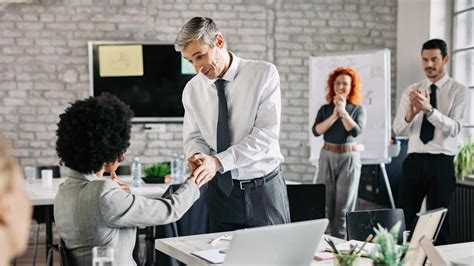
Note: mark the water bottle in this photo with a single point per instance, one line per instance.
(174, 167)
(182, 169)
(136, 170)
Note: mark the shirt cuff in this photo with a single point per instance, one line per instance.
(404, 122)
(435, 116)
(227, 161)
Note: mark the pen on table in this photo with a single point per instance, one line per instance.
(332, 245)
(215, 240)
(368, 239)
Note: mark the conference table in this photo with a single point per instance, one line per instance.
(182, 247)
(42, 198)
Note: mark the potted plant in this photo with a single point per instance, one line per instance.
(347, 257)
(386, 252)
(157, 173)
(464, 160)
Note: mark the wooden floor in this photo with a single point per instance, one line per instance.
(28, 257)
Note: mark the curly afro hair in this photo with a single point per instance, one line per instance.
(92, 132)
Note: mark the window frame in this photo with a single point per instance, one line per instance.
(459, 49)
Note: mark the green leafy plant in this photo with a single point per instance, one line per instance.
(386, 251)
(157, 170)
(464, 160)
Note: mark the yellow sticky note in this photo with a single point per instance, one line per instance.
(120, 60)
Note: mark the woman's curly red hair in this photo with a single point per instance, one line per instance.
(355, 96)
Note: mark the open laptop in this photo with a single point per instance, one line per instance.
(286, 244)
(427, 226)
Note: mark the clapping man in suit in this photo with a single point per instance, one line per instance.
(431, 113)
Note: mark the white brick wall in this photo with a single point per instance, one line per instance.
(44, 64)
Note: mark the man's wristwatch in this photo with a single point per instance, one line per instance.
(429, 112)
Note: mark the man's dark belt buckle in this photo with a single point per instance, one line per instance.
(245, 182)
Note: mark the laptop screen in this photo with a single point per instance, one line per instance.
(286, 244)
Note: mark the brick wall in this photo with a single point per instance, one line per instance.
(44, 61)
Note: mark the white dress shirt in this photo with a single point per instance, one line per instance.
(254, 105)
(452, 102)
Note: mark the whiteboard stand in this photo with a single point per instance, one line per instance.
(387, 185)
(316, 174)
(385, 176)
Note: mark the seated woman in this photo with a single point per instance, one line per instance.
(90, 210)
(15, 208)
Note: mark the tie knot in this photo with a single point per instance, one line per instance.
(433, 87)
(220, 83)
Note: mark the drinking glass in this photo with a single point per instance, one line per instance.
(47, 177)
(30, 173)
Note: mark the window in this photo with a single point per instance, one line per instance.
(463, 51)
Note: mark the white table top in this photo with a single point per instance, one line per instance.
(181, 248)
(44, 195)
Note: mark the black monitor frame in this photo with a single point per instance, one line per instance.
(175, 111)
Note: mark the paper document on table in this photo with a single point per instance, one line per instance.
(211, 255)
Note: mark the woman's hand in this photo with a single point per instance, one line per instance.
(124, 186)
(340, 103)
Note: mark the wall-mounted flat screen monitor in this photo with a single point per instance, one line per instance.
(149, 77)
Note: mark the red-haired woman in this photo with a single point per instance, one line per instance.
(340, 121)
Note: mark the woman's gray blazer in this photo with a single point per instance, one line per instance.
(91, 211)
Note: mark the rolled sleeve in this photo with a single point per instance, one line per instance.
(360, 119)
(193, 140)
(265, 132)
(451, 124)
(400, 125)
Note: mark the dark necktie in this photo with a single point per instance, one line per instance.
(427, 129)
(224, 181)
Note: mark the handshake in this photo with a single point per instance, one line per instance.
(203, 168)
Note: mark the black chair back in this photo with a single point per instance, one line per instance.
(121, 170)
(361, 223)
(55, 168)
(63, 253)
(307, 201)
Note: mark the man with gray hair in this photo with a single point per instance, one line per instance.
(231, 131)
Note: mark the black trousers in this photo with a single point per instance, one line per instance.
(430, 175)
(252, 207)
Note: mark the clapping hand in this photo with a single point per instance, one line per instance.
(421, 100)
(414, 104)
(340, 105)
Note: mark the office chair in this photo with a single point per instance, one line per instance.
(307, 201)
(55, 168)
(63, 253)
(40, 218)
(121, 170)
(361, 223)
